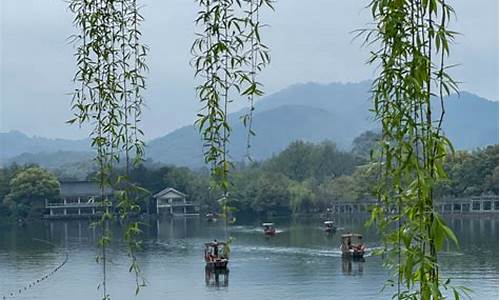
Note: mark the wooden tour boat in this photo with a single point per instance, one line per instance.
(330, 226)
(269, 228)
(216, 255)
(352, 245)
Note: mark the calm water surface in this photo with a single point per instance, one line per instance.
(300, 262)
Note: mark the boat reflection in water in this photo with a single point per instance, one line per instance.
(216, 277)
(352, 266)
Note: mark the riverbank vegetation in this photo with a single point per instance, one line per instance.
(303, 178)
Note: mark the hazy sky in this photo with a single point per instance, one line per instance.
(310, 41)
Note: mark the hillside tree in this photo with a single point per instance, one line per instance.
(29, 190)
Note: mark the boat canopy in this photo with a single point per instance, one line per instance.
(213, 244)
(267, 224)
(328, 222)
(352, 235)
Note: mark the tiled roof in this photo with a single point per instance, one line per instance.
(169, 190)
(82, 188)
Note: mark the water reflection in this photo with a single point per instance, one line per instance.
(216, 277)
(352, 266)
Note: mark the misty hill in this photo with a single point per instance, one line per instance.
(471, 121)
(14, 143)
(57, 159)
(275, 129)
(310, 112)
(315, 112)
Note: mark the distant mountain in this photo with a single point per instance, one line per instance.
(311, 112)
(315, 112)
(14, 143)
(471, 121)
(275, 129)
(52, 160)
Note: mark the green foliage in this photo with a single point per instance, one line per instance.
(255, 187)
(266, 187)
(271, 195)
(411, 41)
(360, 185)
(181, 178)
(259, 188)
(6, 175)
(28, 191)
(109, 79)
(226, 251)
(342, 188)
(228, 53)
(302, 197)
(301, 160)
(471, 173)
(294, 181)
(365, 144)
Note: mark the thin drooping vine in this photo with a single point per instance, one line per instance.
(109, 81)
(412, 41)
(259, 57)
(228, 54)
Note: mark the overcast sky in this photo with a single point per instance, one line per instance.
(310, 41)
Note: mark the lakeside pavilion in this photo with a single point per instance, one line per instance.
(174, 203)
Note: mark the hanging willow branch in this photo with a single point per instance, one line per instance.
(228, 54)
(413, 41)
(109, 81)
(258, 57)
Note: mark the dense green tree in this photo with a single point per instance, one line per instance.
(179, 178)
(293, 162)
(302, 197)
(491, 182)
(356, 187)
(340, 189)
(302, 160)
(271, 195)
(29, 190)
(326, 161)
(471, 173)
(364, 144)
(6, 175)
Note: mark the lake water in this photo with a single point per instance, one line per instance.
(300, 262)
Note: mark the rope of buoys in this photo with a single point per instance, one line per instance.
(39, 280)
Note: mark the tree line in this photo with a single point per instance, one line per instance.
(303, 178)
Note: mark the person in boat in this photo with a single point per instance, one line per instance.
(359, 246)
(216, 249)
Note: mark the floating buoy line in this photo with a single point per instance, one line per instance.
(46, 276)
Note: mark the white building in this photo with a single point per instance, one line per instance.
(78, 199)
(175, 203)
